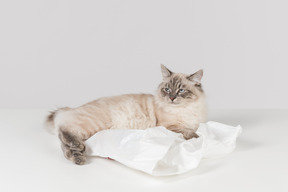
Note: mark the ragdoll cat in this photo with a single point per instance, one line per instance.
(178, 105)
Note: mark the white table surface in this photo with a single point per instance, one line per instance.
(31, 159)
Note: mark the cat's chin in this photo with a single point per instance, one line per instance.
(174, 103)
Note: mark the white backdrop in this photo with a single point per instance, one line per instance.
(64, 52)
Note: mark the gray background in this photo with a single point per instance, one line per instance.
(58, 53)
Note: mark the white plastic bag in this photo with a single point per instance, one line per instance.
(160, 152)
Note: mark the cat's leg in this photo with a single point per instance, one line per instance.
(190, 132)
(187, 133)
(73, 147)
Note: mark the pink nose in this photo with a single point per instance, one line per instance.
(172, 98)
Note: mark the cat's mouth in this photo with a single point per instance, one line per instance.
(174, 102)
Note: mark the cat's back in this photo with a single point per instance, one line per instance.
(132, 111)
(123, 101)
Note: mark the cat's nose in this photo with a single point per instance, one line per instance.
(172, 98)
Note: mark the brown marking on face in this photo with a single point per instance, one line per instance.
(171, 89)
(187, 94)
(175, 83)
(199, 87)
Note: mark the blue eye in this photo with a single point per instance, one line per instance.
(181, 90)
(167, 90)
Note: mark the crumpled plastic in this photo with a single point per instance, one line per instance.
(161, 152)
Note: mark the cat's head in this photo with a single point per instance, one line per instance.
(178, 88)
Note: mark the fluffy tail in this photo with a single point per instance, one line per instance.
(49, 123)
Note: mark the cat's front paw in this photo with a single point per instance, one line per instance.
(189, 135)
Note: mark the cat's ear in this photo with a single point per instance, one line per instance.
(165, 72)
(196, 77)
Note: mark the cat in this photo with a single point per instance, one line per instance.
(179, 105)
